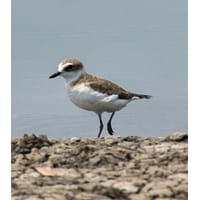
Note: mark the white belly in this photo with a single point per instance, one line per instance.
(89, 99)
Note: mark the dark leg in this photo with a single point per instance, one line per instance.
(109, 126)
(101, 125)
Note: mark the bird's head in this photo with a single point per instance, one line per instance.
(70, 69)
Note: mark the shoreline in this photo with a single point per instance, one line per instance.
(122, 168)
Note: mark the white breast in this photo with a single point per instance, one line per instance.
(89, 99)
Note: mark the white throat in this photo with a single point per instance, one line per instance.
(73, 76)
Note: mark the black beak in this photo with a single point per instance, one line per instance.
(54, 75)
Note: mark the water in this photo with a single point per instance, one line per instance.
(141, 45)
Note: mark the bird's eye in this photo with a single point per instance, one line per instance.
(69, 68)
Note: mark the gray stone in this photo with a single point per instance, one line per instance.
(177, 137)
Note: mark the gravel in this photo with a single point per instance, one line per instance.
(122, 168)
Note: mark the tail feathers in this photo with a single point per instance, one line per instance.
(146, 96)
(141, 96)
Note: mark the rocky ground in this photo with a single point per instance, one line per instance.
(121, 168)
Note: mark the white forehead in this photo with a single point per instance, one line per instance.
(61, 66)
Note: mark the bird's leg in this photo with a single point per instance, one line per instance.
(109, 126)
(101, 125)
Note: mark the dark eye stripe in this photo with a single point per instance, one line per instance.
(69, 68)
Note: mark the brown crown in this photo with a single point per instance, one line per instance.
(75, 64)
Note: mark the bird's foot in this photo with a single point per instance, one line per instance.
(110, 130)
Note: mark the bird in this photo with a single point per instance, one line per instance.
(93, 93)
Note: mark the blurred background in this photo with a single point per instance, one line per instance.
(141, 45)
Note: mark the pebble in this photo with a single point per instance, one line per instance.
(75, 139)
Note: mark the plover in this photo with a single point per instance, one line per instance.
(92, 93)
